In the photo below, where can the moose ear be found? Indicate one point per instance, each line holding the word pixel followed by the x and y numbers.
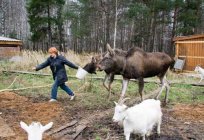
pixel 110 50
pixel 24 126
pixel 47 126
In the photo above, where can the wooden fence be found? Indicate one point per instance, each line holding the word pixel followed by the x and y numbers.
pixel 192 51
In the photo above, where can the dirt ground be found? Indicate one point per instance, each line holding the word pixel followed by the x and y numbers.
pixel 17 108
pixel 180 121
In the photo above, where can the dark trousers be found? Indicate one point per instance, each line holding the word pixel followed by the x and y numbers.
pixel 62 86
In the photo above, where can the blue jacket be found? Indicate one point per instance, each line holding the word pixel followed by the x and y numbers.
pixel 57 67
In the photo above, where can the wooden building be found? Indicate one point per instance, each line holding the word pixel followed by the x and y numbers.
pixel 9 47
pixel 191 50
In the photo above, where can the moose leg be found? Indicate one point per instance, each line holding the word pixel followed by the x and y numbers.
pixel 104 81
pixel 124 88
pixel 111 78
pixel 141 87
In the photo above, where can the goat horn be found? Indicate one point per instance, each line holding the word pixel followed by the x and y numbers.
pixel 123 100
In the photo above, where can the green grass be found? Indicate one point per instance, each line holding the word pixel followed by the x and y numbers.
pixel 186 94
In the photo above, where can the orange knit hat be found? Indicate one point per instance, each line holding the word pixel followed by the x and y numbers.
pixel 53 50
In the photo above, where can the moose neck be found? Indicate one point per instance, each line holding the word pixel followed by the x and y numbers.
pixel 120 62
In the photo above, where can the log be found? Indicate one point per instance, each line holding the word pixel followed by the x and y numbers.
pixel 200 85
pixel 62 127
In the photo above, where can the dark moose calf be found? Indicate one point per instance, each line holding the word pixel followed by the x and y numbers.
pixel 110 71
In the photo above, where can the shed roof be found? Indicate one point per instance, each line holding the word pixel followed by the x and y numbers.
pixel 11 41
pixel 182 38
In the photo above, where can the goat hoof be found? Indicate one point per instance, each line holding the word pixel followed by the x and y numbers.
pixel 164 103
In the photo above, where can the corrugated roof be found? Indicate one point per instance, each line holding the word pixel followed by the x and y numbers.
pixel 8 39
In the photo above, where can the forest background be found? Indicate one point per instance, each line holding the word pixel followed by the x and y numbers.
pixel 87 25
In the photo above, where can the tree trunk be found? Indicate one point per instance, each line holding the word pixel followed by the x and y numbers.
pixel 115 28
pixel 49 26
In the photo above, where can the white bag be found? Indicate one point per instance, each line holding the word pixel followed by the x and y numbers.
pixel 81 73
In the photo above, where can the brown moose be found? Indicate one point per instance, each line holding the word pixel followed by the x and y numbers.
pixel 137 64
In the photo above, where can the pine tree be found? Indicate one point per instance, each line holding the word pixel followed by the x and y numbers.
pixel 43 20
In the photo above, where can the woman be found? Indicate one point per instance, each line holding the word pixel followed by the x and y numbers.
pixel 56 63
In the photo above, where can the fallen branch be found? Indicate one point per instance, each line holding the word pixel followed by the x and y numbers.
pixel 3 90
pixel 12 82
pixel 101 78
pixel 72 76
pixel 25 72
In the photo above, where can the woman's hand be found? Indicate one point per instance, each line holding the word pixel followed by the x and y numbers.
pixel 33 68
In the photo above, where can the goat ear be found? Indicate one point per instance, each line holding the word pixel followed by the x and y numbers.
pixel 47 126
pixel 93 59
pixel 24 126
pixel 115 103
pixel 110 50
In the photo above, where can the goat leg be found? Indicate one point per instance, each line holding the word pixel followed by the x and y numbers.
pixel 200 80
pixel 111 78
pixel 143 137
pixel 127 135
pixel 158 127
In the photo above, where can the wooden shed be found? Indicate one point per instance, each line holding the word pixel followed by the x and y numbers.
pixel 190 49
pixel 9 47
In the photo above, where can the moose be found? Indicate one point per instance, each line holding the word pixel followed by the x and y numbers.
pixel 110 71
pixel 137 64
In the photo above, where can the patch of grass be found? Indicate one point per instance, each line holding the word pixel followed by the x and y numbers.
pixel 186 94
pixel 97 138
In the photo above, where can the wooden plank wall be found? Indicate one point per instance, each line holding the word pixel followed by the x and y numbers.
pixel 192 51
pixel 8 52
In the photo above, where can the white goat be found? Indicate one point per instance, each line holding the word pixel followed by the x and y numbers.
pixel 35 130
pixel 201 71
pixel 140 118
